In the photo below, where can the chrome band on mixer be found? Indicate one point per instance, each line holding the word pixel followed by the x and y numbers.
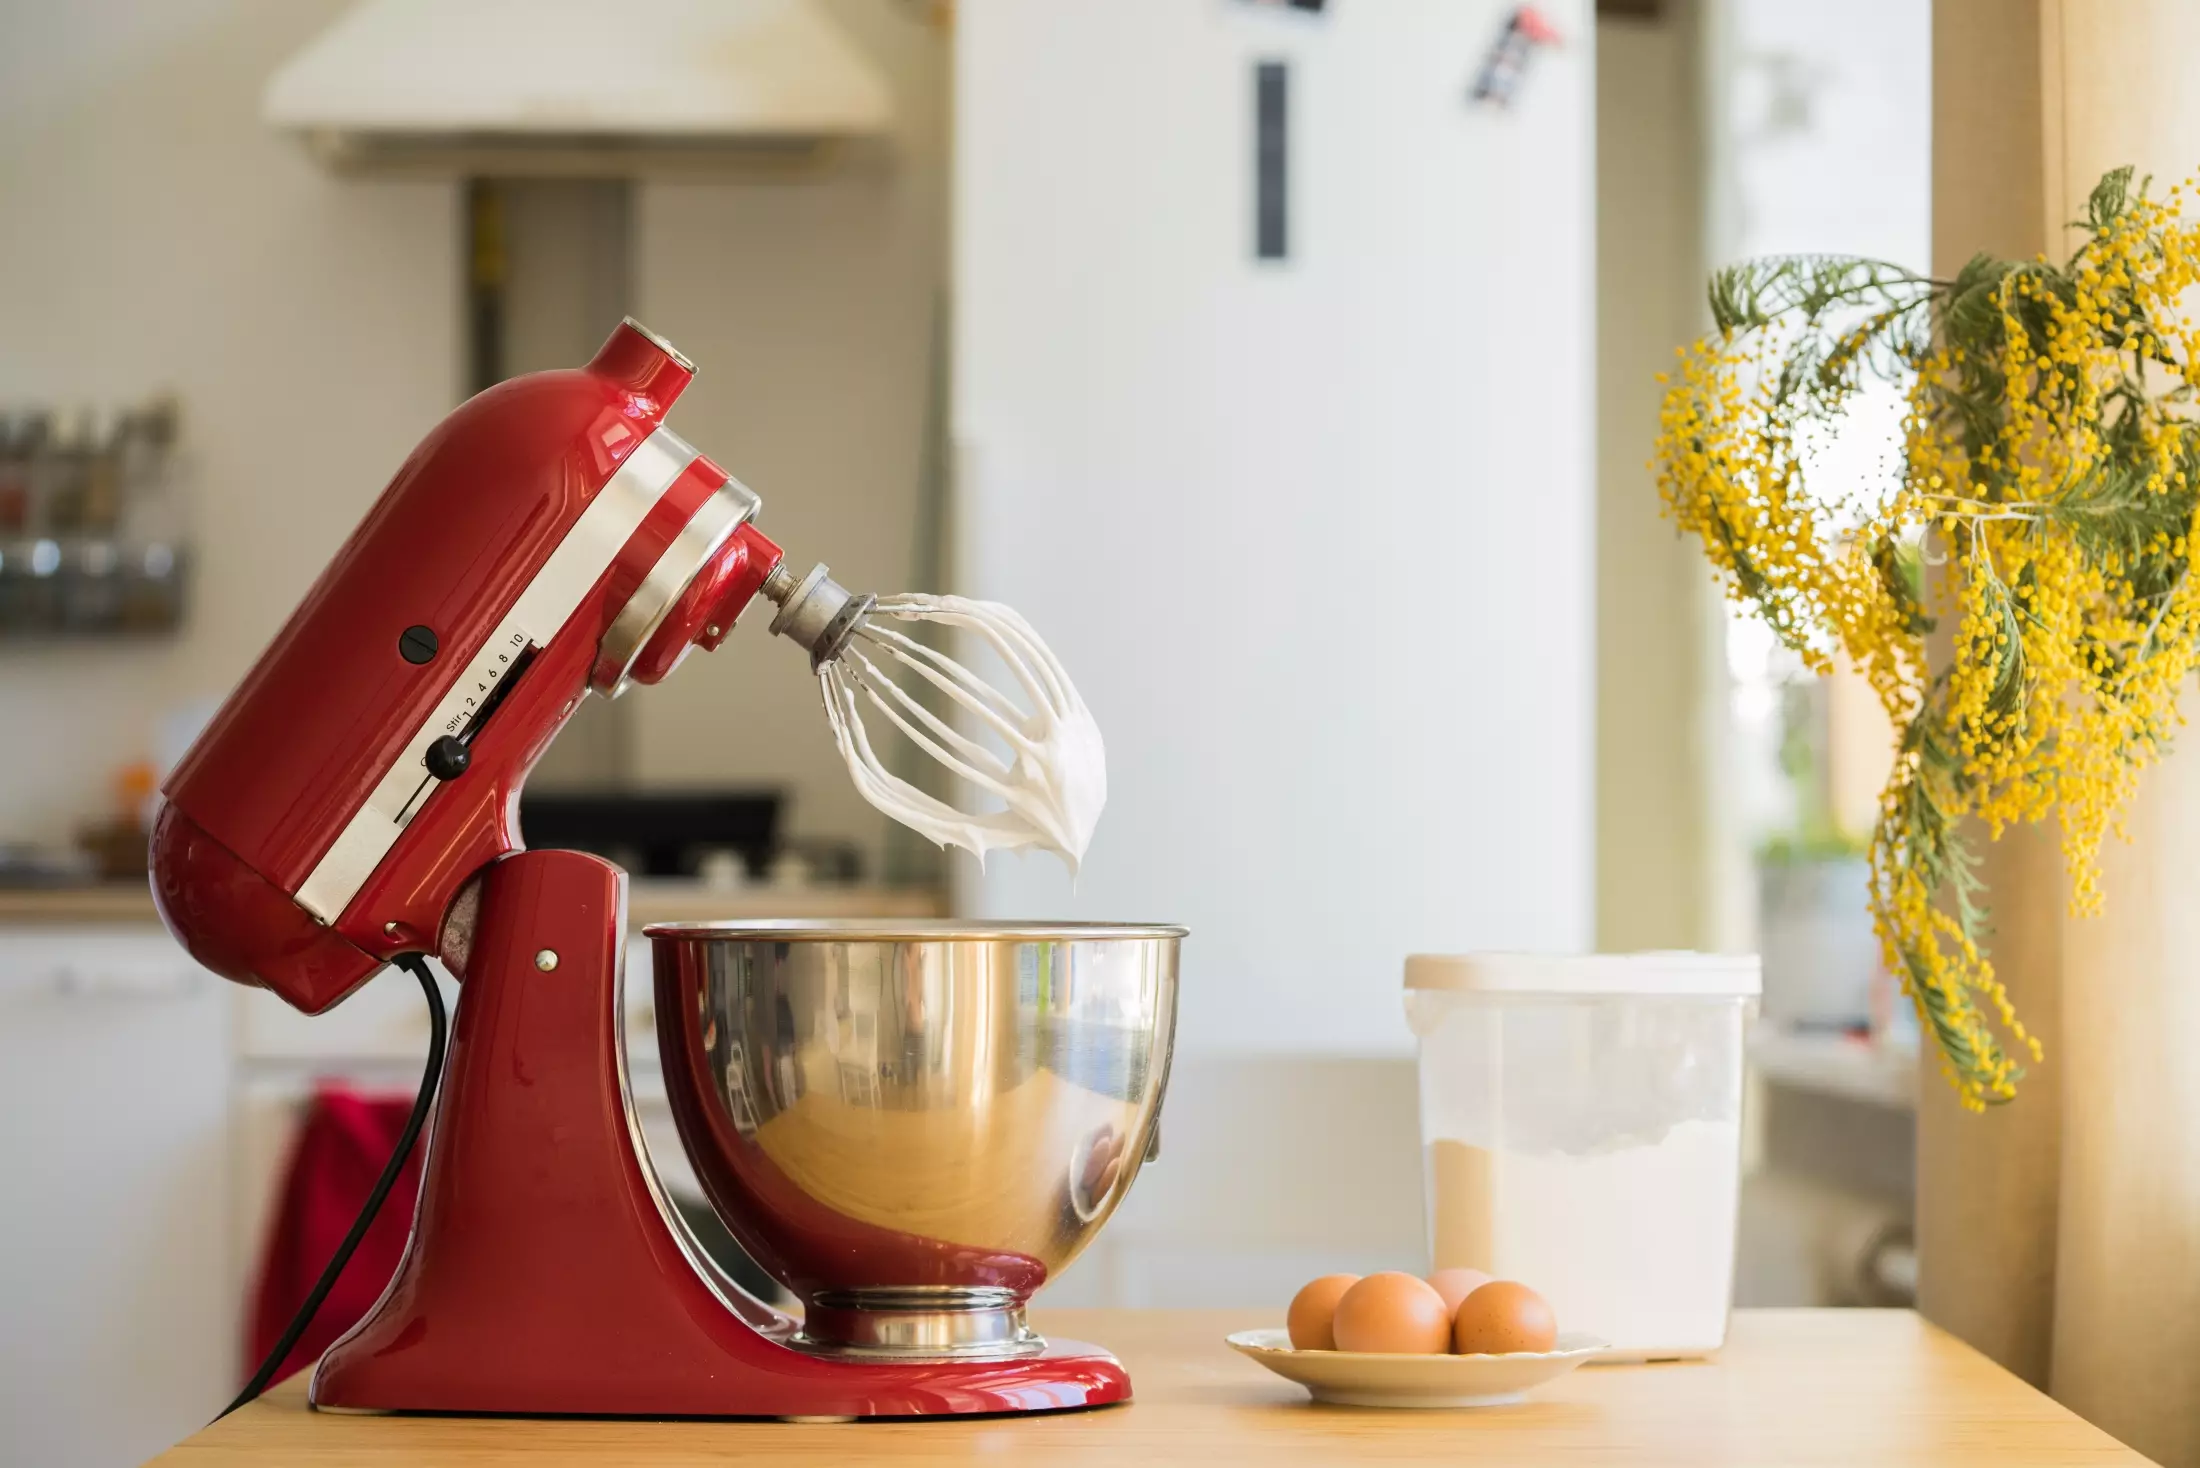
pixel 730 506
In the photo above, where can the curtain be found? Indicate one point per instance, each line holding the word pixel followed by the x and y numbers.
pixel 2060 1234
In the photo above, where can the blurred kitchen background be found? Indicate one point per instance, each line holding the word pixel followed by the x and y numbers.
pixel 1290 365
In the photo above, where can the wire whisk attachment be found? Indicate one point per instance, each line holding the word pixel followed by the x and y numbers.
pixel 1032 748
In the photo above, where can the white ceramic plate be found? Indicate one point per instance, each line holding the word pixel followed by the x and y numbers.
pixel 1369 1379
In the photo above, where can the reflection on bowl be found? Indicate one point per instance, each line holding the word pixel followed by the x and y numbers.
pixel 1095 1171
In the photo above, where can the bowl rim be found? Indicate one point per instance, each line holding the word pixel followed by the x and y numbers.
pixel 905 930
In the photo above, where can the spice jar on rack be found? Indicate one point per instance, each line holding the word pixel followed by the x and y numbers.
pixel 91 532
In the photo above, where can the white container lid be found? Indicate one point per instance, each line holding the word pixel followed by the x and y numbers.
pixel 1688 975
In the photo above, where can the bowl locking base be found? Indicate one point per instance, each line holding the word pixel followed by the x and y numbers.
pixel 944 1324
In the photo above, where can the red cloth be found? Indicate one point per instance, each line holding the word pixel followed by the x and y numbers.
pixel 342 1146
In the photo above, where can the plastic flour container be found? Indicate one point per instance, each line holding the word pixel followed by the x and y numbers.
pixel 1581 1133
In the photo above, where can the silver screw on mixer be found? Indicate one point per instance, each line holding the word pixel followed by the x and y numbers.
pixel 815 610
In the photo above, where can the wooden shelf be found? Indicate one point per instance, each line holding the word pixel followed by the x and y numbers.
pixel 108 902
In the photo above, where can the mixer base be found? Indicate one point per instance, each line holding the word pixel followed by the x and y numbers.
pixel 543 1276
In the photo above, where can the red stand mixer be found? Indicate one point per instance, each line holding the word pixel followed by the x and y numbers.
pixel 911 1127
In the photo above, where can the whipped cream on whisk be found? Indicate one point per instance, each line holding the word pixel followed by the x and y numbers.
pixel 1040 756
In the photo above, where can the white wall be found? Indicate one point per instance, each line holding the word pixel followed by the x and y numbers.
pixel 1827 123
pixel 1659 689
pixel 810 310
pixel 1271 1172
pixel 154 235
pixel 1315 539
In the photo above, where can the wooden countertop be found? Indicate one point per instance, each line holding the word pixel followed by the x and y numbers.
pixel 1847 1387
pixel 648 901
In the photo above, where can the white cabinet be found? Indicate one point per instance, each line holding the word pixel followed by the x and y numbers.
pixel 376 1042
pixel 119 1301
pixel 384 1021
pixel 149 1109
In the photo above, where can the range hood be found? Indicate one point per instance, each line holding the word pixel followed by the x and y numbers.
pixel 601 87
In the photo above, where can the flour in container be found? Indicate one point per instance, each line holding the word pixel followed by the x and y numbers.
pixel 1634 1244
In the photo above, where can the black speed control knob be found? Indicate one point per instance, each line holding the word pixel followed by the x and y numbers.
pixel 448 757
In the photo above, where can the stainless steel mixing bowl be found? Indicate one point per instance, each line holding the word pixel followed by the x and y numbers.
pixel 914 1125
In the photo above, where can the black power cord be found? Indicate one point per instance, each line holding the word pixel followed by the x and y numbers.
pixel 437 1025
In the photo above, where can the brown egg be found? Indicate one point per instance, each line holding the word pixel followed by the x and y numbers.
pixel 1395 1314
pixel 1503 1317
pixel 1313 1316
pixel 1456 1284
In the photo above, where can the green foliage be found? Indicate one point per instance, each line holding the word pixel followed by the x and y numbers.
pixel 2052 459
pixel 1901 568
pixel 1917 831
pixel 1811 846
pixel 2111 198
pixel 1808 289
